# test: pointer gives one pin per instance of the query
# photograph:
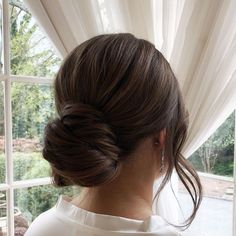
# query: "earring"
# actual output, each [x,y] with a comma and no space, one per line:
[162,160]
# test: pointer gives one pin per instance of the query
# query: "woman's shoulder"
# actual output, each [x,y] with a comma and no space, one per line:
[159,225]
[47,224]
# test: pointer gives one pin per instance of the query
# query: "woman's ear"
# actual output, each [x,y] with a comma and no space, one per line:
[160,138]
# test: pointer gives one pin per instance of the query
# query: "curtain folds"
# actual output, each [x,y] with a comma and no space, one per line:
[197,37]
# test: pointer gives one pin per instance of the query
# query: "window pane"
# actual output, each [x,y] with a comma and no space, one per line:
[32,108]
[215,216]
[216,155]
[2,140]
[31,52]
[215,161]
[3,214]
[33,201]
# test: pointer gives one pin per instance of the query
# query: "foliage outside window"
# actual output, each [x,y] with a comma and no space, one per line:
[216,155]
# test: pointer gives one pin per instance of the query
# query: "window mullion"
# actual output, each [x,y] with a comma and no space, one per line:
[4,187]
[8,119]
[31,183]
[31,79]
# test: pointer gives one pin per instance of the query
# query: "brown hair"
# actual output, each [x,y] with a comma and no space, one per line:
[111,92]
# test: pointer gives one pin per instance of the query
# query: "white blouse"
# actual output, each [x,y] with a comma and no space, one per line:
[66,219]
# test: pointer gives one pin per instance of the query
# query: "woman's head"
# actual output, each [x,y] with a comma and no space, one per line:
[111,93]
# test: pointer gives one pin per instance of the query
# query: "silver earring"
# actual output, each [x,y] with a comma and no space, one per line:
[162,160]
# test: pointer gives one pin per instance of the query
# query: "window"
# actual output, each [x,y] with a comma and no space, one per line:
[214,161]
[27,66]
[32,107]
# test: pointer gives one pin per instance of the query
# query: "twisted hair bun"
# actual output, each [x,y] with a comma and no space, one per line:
[81,147]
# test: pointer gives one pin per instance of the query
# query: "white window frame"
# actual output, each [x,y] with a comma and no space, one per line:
[7,79]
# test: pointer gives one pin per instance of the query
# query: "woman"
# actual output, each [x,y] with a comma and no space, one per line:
[122,124]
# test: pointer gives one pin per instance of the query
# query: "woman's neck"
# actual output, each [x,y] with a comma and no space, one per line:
[127,196]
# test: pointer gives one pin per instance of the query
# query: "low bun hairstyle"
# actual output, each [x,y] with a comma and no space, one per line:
[112,92]
[81,147]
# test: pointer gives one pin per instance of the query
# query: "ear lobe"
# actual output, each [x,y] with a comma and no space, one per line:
[161,138]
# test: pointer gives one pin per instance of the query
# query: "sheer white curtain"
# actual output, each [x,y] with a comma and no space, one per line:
[197,37]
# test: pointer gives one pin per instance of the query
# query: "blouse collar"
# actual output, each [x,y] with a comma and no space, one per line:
[108,222]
